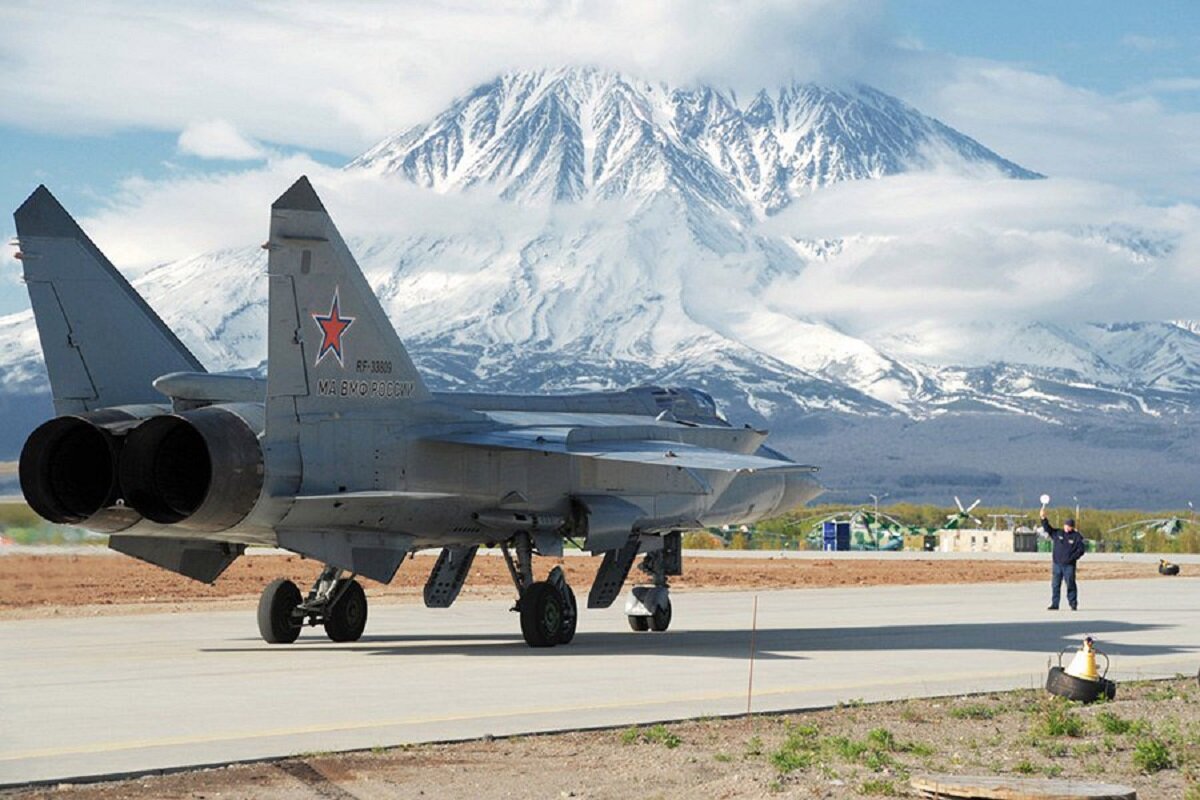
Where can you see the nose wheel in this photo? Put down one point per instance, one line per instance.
(649, 609)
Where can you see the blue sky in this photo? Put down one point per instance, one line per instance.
(1110, 47)
(103, 99)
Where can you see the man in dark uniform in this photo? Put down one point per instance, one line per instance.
(1069, 547)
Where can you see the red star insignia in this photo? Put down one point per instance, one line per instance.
(332, 327)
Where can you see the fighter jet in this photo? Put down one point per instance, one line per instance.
(344, 455)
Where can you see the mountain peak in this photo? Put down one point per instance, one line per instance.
(568, 133)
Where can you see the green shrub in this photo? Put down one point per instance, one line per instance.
(1111, 723)
(1151, 755)
(1060, 720)
(660, 735)
(798, 750)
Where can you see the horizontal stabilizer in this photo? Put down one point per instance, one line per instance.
(197, 559)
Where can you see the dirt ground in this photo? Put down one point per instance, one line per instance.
(85, 584)
(1148, 738)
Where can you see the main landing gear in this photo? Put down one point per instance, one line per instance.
(334, 601)
(548, 610)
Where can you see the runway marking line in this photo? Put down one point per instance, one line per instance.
(175, 741)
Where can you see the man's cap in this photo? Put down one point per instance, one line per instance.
(1070, 521)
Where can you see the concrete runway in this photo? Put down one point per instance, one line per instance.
(104, 695)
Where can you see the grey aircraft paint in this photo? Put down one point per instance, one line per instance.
(344, 455)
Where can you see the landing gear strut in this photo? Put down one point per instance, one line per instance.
(338, 602)
(548, 611)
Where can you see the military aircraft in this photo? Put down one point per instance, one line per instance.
(343, 455)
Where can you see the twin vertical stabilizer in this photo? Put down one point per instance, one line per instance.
(330, 345)
(102, 344)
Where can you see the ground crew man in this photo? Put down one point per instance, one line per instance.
(1069, 547)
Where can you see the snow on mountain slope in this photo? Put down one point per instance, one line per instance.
(647, 261)
(571, 133)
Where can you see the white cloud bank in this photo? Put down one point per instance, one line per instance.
(339, 77)
(937, 249)
(218, 139)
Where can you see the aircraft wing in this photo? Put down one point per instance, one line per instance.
(631, 451)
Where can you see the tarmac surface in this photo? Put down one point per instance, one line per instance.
(85, 697)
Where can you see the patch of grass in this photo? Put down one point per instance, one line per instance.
(882, 739)
(1111, 723)
(847, 748)
(878, 787)
(919, 749)
(878, 760)
(1052, 770)
(660, 735)
(723, 758)
(1051, 748)
(631, 735)
(1087, 749)
(1165, 691)
(1025, 768)
(1193, 792)
(973, 711)
(1059, 719)
(788, 760)
(798, 750)
(754, 747)
(1151, 755)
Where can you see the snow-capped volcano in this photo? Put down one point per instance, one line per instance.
(644, 247)
(572, 133)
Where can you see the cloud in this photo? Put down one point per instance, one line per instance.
(218, 139)
(930, 250)
(340, 77)
(1050, 126)
(149, 222)
(1148, 44)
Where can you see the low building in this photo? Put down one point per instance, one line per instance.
(988, 541)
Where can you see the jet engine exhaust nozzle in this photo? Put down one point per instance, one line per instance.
(201, 470)
(68, 471)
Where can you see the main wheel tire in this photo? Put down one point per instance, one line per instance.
(638, 624)
(541, 615)
(1058, 682)
(661, 620)
(568, 629)
(276, 624)
(347, 618)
